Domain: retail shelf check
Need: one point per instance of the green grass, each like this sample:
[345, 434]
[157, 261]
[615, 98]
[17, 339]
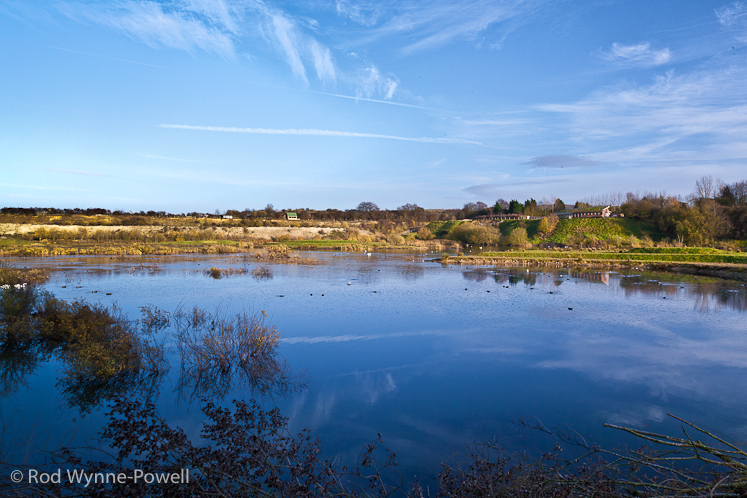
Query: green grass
[506, 227]
[603, 228]
[14, 242]
[678, 250]
[196, 243]
[722, 257]
[315, 243]
[442, 228]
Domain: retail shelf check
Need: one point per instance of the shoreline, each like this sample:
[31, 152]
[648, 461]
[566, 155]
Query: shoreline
[727, 271]
[651, 262]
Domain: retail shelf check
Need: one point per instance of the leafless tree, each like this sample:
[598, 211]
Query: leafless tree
[706, 187]
[739, 190]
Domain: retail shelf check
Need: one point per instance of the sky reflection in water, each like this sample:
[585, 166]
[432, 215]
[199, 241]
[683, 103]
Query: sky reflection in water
[433, 356]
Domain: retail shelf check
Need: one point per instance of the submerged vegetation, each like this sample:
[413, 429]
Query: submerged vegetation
[262, 273]
[104, 354]
[88, 339]
[218, 273]
[251, 452]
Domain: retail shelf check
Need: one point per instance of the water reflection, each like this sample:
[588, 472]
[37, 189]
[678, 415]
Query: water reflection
[430, 365]
[707, 294]
[17, 363]
[221, 353]
[86, 394]
[412, 272]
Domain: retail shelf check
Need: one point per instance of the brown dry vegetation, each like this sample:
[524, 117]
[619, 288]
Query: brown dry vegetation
[26, 235]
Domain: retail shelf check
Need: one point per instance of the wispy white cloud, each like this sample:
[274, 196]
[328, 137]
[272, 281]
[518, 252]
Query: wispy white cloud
[561, 161]
[731, 15]
[364, 13]
[371, 82]
[734, 17]
[640, 54]
[196, 25]
[214, 26]
[325, 69]
[644, 123]
[434, 24]
[377, 101]
[319, 133]
[285, 35]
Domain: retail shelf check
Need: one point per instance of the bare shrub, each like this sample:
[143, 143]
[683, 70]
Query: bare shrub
[218, 273]
[262, 273]
[244, 452]
[217, 352]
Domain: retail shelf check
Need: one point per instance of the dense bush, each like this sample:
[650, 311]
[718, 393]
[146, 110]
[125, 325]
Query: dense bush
[91, 340]
[473, 234]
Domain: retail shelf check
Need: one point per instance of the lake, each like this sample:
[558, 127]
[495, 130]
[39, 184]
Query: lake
[430, 356]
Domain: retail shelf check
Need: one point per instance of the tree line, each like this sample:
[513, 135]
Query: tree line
[713, 210]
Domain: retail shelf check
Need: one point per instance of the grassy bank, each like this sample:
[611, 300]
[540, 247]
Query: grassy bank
[25, 248]
[607, 229]
[645, 255]
[587, 233]
[579, 231]
[697, 261]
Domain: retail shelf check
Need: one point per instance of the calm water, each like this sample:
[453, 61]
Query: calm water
[431, 356]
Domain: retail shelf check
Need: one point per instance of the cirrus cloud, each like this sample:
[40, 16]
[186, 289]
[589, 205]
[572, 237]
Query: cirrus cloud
[561, 161]
[640, 54]
[319, 133]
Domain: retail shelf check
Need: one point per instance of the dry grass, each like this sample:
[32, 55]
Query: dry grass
[10, 275]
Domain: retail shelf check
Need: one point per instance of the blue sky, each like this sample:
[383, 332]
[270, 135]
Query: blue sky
[200, 105]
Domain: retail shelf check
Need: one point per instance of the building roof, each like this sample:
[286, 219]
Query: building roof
[584, 210]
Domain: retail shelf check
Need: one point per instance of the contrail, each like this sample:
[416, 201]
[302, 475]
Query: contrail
[320, 133]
